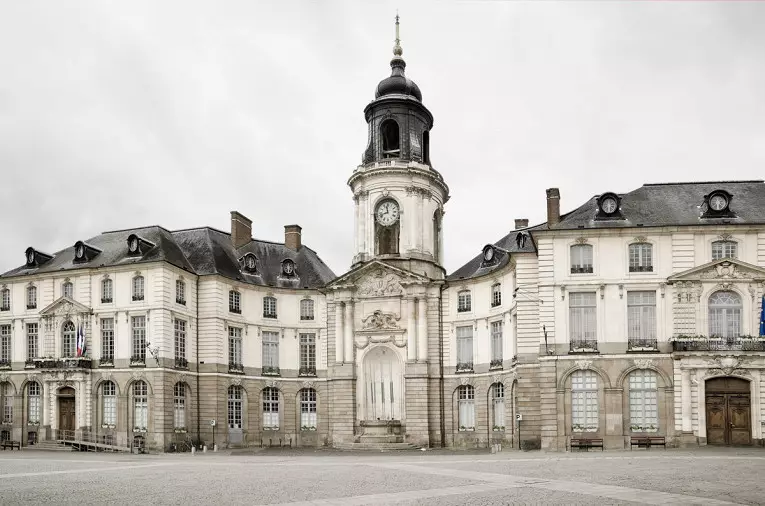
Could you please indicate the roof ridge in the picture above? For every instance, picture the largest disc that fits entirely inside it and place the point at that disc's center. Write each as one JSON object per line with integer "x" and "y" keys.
{"x": 707, "y": 182}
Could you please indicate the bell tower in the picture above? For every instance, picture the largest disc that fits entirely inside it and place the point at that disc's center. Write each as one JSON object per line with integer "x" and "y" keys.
{"x": 399, "y": 197}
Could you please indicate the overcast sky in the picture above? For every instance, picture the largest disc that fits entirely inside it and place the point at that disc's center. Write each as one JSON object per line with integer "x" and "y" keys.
{"x": 122, "y": 114}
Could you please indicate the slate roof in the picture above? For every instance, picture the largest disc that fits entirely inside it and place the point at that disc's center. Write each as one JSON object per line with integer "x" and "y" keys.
{"x": 202, "y": 251}
{"x": 504, "y": 248}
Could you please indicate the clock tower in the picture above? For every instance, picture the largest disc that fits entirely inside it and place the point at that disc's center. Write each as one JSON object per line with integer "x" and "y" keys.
{"x": 399, "y": 197}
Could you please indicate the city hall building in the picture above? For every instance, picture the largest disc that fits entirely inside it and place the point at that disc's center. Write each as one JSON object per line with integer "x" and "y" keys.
{"x": 635, "y": 314}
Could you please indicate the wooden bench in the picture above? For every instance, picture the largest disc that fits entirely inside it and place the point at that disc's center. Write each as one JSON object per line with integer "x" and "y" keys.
{"x": 11, "y": 444}
{"x": 657, "y": 441}
{"x": 586, "y": 443}
{"x": 648, "y": 441}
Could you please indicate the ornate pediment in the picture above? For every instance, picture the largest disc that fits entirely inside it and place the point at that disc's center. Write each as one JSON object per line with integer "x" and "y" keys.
{"x": 726, "y": 269}
{"x": 377, "y": 279}
{"x": 66, "y": 307}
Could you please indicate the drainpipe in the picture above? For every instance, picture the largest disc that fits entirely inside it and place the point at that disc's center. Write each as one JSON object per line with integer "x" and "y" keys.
{"x": 196, "y": 332}
{"x": 441, "y": 363}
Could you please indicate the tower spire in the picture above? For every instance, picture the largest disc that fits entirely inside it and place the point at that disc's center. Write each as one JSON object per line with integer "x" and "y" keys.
{"x": 397, "y": 64}
{"x": 397, "y": 51}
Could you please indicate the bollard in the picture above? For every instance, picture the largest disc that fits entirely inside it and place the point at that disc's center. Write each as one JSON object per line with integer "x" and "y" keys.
{"x": 204, "y": 449}
{"x": 215, "y": 448}
{"x": 193, "y": 450}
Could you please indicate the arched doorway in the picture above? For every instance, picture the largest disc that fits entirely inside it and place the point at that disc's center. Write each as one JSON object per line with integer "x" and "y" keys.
{"x": 382, "y": 385}
{"x": 728, "y": 411}
{"x": 66, "y": 413}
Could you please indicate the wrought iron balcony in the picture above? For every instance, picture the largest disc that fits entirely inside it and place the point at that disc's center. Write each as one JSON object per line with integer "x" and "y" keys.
{"x": 464, "y": 366}
{"x": 5, "y": 364}
{"x": 106, "y": 361}
{"x": 496, "y": 364}
{"x": 106, "y": 300}
{"x": 307, "y": 371}
{"x": 271, "y": 370}
{"x": 236, "y": 310}
{"x": 583, "y": 346}
{"x": 181, "y": 363}
{"x": 235, "y": 367}
{"x": 714, "y": 343}
{"x": 138, "y": 360}
{"x": 180, "y": 301}
{"x": 636, "y": 344}
{"x": 50, "y": 363}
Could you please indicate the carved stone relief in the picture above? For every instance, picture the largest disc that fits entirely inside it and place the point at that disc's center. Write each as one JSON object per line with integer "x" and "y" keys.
{"x": 274, "y": 384}
{"x": 380, "y": 321}
{"x": 583, "y": 364}
{"x": 643, "y": 363}
{"x": 362, "y": 341}
{"x": 380, "y": 283}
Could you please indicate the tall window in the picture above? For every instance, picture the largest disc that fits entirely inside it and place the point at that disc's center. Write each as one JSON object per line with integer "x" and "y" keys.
{"x": 69, "y": 339}
{"x": 644, "y": 404}
{"x": 5, "y": 299}
{"x": 465, "y": 348}
{"x": 140, "y": 405}
{"x": 496, "y": 344}
{"x": 235, "y": 348}
{"x": 641, "y": 316}
{"x": 496, "y": 295}
{"x": 498, "y": 405}
{"x": 234, "y": 407}
{"x": 138, "y": 325}
{"x": 270, "y": 408}
{"x": 179, "y": 405}
{"x": 724, "y": 249}
{"x": 180, "y": 291}
{"x": 581, "y": 259}
{"x": 463, "y": 301}
{"x": 67, "y": 289}
{"x": 306, "y": 309}
{"x": 234, "y": 302}
{"x": 5, "y": 345}
{"x": 641, "y": 257}
{"x": 109, "y": 398}
{"x": 466, "y": 403}
{"x": 33, "y": 404}
{"x": 307, "y": 354}
{"x": 269, "y": 307}
{"x": 31, "y": 297}
{"x": 582, "y": 317}
{"x": 308, "y": 408}
{"x": 138, "y": 288}
{"x": 725, "y": 314}
{"x": 107, "y": 291}
{"x": 32, "y": 341}
{"x": 390, "y": 139}
{"x": 6, "y": 392}
{"x": 107, "y": 340}
{"x": 584, "y": 401}
{"x": 180, "y": 343}
{"x": 271, "y": 352}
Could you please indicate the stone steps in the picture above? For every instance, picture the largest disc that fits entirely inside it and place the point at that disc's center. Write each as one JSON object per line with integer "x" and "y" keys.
{"x": 377, "y": 447}
{"x": 49, "y": 446}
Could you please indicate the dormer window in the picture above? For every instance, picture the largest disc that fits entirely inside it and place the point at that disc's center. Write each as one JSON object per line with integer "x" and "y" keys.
{"x": 138, "y": 286}
{"x": 84, "y": 252}
{"x": 36, "y": 258}
{"x": 288, "y": 268}
{"x": 718, "y": 204}
{"x": 609, "y": 207}
{"x": 489, "y": 255}
{"x": 724, "y": 249}
{"x": 138, "y": 246}
{"x": 249, "y": 263}
{"x": 67, "y": 289}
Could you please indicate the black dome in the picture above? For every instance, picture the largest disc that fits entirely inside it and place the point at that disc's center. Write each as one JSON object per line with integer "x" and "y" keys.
{"x": 398, "y": 83}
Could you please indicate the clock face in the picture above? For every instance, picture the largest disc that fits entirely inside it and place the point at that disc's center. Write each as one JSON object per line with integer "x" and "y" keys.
{"x": 718, "y": 202}
{"x": 133, "y": 244}
{"x": 80, "y": 251}
{"x": 387, "y": 213}
{"x": 609, "y": 205}
{"x": 488, "y": 254}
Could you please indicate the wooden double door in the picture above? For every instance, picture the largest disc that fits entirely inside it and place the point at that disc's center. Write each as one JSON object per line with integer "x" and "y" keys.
{"x": 728, "y": 407}
{"x": 66, "y": 413}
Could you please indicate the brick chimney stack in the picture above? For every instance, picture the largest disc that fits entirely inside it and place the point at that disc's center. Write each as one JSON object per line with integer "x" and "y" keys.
{"x": 293, "y": 237}
{"x": 521, "y": 223}
{"x": 241, "y": 229}
{"x": 553, "y": 206}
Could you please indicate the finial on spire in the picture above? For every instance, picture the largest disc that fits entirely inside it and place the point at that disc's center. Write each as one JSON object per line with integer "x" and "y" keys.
{"x": 397, "y": 51}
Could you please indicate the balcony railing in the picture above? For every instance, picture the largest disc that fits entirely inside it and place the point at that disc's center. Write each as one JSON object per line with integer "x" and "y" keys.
{"x": 5, "y": 363}
{"x": 235, "y": 367}
{"x": 464, "y": 366}
{"x": 106, "y": 361}
{"x": 703, "y": 343}
{"x": 106, "y": 300}
{"x": 641, "y": 268}
{"x": 635, "y": 344}
{"x": 307, "y": 371}
{"x": 137, "y": 360}
{"x": 581, "y": 269}
{"x": 583, "y": 346}
{"x": 271, "y": 370}
{"x": 236, "y": 310}
{"x": 181, "y": 363}
{"x": 61, "y": 363}
{"x": 5, "y": 308}
{"x": 180, "y": 301}
{"x": 496, "y": 364}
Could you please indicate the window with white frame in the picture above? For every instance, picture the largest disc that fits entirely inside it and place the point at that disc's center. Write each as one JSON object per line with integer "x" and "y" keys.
{"x": 179, "y": 406}
{"x": 308, "y": 409}
{"x": 107, "y": 340}
{"x": 496, "y": 295}
{"x": 581, "y": 259}
{"x": 465, "y": 347}
{"x": 69, "y": 339}
{"x": 724, "y": 249}
{"x": 33, "y": 402}
{"x": 138, "y": 288}
{"x": 107, "y": 291}
{"x": 498, "y": 406}
{"x": 234, "y": 407}
{"x": 32, "y": 341}
{"x": 641, "y": 257}
{"x": 180, "y": 291}
{"x": 235, "y": 348}
{"x": 5, "y": 299}
{"x": 725, "y": 314}
{"x": 307, "y": 354}
{"x": 234, "y": 302}
{"x": 269, "y": 307}
{"x": 496, "y": 344}
{"x": 463, "y": 301}
{"x": 31, "y": 297}
{"x": 109, "y": 406}
{"x": 140, "y": 406}
{"x": 582, "y": 321}
{"x": 180, "y": 343}
{"x": 138, "y": 330}
{"x": 306, "y": 309}
{"x": 466, "y": 406}
{"x": 584, "y": 401}
{"x": 6, "y": 391}
{"x": 641, "y": 317}
{"x": 270, "y": 352}
{"x": 644, "y": 404}
{"x": 270, "y": 408}
{"x": 67, "y": 289}
{"x": 5, "y": 345}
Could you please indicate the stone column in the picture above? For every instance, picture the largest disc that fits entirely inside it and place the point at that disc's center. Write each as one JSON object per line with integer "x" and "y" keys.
{"x": 357, "y": 219}
{"x": 422, "y": 330}
{"x": 339, "y": 346}
{"x": 411, "y": 218}
{"x": 420, "y": 232}
{"x": 411, "y": 329}
{"x": 348, "y": 334}
{"x": 686, "y": 399}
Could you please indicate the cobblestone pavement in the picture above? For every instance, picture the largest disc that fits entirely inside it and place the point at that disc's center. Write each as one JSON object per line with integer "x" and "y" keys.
{"x": 439, "y": 477}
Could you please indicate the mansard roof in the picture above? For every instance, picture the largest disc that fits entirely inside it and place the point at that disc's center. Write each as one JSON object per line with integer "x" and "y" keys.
{"x": 517, "y": 241}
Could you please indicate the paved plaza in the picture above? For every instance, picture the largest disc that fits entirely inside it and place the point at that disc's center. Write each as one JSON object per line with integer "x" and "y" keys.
{"x": 703, "y": 476}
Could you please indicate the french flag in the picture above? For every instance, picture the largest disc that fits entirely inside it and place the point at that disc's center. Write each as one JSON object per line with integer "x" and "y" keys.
{"x": 81, "y": 348}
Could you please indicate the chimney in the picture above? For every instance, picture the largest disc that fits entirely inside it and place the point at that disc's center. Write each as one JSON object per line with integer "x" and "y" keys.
{"x": 292, "y": 237}
{"x": 241, "y": 229}
{"x": 521, "y": 223}
{"x": 553, "y": 206}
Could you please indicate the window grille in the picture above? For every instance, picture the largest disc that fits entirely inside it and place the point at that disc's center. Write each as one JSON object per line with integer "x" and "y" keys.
{"x": 33, "y": 393}
{"x": 67, "y": 289}
{"x": 582, "y": 319}
{"x": 138, "y": 324}
{"x": 498, "y": 405}
{"x": 5, "y": 345}
{"x": 179, "y": 405}
{"x": 140, "y": 405}
{"x": 180, "y": 343}
{"x": 107, "y": 291}
{"x": 235, "y": 348}
{"x": 6, "y": 389}
{"x": 32, "y": 341}
{"x": 308, "y": 354}
{"x": 31, "y": 297}
{"x": 496, "y": 343}
{"x": 180, "y": 291}
{"x": 269, "y": 307}
{"x": 465, "y": 347}
{"x": 5, "y": 300}
{"x": 234, "y": 302}
{"x": 641, "y": 315}
{"x": 270, "y": 351}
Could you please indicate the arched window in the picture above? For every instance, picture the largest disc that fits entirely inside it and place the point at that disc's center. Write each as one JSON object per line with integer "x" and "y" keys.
{"x": 67, "y": 289}
{"x": 581, "y": 259}
{"x": 498, "y": 406}
{"x": 69, "y": 340}
{"x": 644, "y": 404}
{"x": 33, "y": 402}
{"x": 584, "y": 401}
{"x": 179, "y": 406}
{"x": 109, "y": 404}
{"x": 390, "y": 139}
{"x": 308, "y": 409}
{"x": 306, "y": 309}
{"x": 138, "y": 288}
{"x": 6, "y": 400}
{"x": 234, "y": 407}
{"x": 724, "y": 249}
{"x": 234, "y": 302}
{"x": 140, "y": 406}
{"x": 107, "y": 291}
{"x": 641, "y": 257}
{"x": 180, "y": 292}
{"x": 31, "y": 297}
{"x": 270, "y": 408}
{"x": 466, "y": 403}
{"x": 725, "y": 314}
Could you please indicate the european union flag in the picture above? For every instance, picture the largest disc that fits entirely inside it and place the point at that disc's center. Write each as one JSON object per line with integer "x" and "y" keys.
{"x": 762, "y": 317}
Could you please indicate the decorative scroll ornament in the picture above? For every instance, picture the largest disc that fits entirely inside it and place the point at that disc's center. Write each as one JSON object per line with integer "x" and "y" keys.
{"x": 465, "y": 380}
{"x": 640, "y": 239}
{"x": 237, "y": 382}
{"x": 583, "y": 364}
{"x": 380, "y": 284}
{"x": 362, "y": 341}
{"x": 380, "y": 321}
{"x": 727, "y": 365}
{"x": 3, "y": 378}
{"x": 309, "y": 384}
{"x": 643, "y": 363}
{"x": 581, "y": 240}
{"x": 274, "y": 384}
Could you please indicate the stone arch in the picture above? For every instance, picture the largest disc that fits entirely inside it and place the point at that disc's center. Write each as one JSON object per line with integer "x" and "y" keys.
{"x": 582, "y": 367}
{"x": 132, "y": 381}
{"x": 99, "y": 383}
{"x": 665, "y": 379}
